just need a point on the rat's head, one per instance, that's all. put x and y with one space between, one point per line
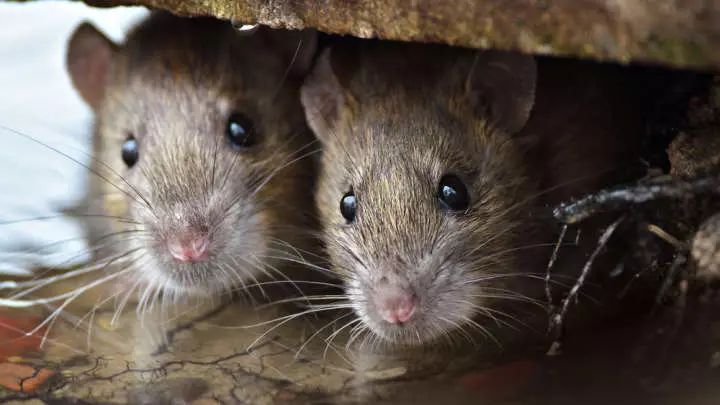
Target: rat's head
206 129
421 182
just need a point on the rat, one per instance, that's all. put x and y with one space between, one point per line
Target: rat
201 148
434 157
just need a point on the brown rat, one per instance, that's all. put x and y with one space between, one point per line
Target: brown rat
205 128
429 173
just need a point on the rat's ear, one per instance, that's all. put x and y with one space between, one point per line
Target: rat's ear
88 61
502 84
298 47
322 97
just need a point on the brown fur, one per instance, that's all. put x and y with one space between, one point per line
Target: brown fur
395 132
395 117
172 85
585 126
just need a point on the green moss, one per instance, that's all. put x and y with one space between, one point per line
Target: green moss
678 52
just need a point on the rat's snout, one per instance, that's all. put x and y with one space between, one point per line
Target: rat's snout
189 247
395 304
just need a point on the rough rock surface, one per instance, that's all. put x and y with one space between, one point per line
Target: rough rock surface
674 32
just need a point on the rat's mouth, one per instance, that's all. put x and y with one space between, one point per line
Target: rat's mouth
392 312
415 325
406 326
209 276
195 278
412 333
189 246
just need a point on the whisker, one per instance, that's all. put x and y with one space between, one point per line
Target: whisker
495 311
252 194
330 338
284 276
239 278
288 69
329 324
512 297
11 303
26 334
141 306
356 331
255 280
72 296
485 331
46 217
285 319
119 309
85 166
91 314
95 308
500 276
91 322
294 248
274 172
7 285
296 299
490 314
320 283
38 284
307 264
96 246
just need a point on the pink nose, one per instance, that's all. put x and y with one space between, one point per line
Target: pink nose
396 306
189 248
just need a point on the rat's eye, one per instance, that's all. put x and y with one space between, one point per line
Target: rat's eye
240 131
452 193
348 205
130 152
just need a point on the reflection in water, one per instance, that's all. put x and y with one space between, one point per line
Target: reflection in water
204 355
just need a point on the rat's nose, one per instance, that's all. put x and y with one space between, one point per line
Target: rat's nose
395 305
189 248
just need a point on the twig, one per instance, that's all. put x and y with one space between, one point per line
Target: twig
551 263
557 321
618 197
678 262
662 234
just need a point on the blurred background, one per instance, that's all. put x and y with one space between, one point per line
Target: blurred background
37 100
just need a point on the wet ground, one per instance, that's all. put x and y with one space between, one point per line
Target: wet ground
208 358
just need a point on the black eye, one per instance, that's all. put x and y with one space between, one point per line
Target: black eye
240 131
348 205
452 193
130 152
